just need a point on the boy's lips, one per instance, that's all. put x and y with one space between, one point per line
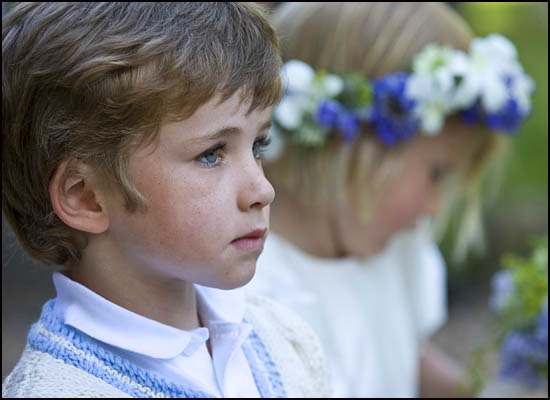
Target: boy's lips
252 241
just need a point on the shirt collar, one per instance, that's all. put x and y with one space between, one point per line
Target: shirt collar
223 312
105 321
220 305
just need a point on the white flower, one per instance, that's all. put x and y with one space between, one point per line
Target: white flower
298 82
289 112
491 60
333 85
297 76
494 48
521 89
442 65
432 116
431 94
494 94
431 58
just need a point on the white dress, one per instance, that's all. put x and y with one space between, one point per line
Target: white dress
371 315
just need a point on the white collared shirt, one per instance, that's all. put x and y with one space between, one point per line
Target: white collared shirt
177 355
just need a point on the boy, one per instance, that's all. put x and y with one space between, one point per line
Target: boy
132 136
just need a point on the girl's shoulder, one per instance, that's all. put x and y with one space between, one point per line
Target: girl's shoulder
292 344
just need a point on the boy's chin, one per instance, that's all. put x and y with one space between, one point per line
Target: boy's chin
237 277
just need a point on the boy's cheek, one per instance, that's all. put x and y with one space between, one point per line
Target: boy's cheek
267 214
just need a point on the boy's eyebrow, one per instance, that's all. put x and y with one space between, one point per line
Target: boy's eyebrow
229 130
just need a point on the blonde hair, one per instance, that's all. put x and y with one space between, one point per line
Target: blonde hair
373 39
94 81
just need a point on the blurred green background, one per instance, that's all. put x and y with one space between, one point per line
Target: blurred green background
526 25
520 209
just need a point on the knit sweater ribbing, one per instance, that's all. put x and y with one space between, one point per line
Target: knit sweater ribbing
59 360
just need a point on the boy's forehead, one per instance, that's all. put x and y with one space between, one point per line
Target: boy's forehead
219 114
241 98
218 104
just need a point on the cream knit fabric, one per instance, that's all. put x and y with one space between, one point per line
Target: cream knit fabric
38 374
293 346
73 370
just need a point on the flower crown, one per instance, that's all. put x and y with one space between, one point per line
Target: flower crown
488 85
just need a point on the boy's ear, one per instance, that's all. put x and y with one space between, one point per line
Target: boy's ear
77 197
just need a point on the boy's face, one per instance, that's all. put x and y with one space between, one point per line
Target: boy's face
414 193
205 188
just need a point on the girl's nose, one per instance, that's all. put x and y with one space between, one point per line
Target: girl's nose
432 204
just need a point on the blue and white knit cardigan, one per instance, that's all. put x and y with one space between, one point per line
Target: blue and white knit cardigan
284 354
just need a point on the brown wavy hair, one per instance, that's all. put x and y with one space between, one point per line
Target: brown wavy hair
94 81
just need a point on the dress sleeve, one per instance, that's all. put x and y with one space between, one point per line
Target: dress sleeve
425 277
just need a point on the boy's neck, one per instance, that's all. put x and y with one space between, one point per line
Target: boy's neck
169 301
310 230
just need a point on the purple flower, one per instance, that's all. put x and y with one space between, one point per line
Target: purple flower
332 114
391 111
349 125
507 119
502 287
473 114
541 332
521 357
328 113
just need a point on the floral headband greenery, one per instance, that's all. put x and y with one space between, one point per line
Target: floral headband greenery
487 85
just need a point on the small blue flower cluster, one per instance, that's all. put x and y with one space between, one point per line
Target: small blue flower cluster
519 296
486 85
524 354
391 111
507 119
392 116
332 114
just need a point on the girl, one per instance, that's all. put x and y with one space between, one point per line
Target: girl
365 151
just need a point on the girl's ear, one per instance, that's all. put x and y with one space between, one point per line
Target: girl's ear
77 197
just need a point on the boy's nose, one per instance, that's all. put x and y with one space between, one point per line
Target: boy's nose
256 192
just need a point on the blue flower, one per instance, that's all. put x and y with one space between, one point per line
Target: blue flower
507 119
541 332
473 114
332 114
502 288
520 355
328 113
391 111
349 125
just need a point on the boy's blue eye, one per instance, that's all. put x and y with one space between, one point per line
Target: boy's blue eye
260 146
210 157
